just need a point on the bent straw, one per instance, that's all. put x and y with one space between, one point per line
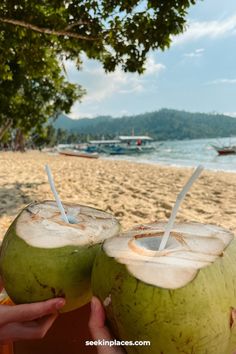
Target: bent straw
179 199
56 196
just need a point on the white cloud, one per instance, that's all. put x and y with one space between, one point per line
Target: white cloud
101 86
138 87
231 114
211 29
75 113
124 112
105 85
200 50
151 67
196 53
222 81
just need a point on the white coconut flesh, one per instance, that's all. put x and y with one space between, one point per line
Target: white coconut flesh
189 248
41 225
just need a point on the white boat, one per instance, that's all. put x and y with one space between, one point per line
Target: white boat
103 146
123 145
79 153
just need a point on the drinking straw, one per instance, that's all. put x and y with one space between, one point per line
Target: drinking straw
56 196
179 199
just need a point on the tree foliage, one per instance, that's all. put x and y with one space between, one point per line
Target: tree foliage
33 87
37 36
29 98
114 32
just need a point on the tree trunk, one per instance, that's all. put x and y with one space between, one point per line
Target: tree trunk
5 128
19 141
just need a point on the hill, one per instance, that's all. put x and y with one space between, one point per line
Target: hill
161 125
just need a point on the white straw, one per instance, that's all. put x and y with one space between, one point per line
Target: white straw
56 196
179 199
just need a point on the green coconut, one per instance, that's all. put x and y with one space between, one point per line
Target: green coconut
43 257
180 299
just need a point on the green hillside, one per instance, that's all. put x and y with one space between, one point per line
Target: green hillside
161 125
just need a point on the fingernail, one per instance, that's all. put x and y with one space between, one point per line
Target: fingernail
60 303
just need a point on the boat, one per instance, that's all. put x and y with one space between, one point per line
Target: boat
79 153
103 146
225 150
123 145
136 144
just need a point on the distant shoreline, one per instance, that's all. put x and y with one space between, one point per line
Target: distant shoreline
161 125
171 165
137 159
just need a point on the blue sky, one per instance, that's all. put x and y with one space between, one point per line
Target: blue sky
197 73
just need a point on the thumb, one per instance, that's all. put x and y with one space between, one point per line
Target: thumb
99 330
97 321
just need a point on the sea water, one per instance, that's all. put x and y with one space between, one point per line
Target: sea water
188 153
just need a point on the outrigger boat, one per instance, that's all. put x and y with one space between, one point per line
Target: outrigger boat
225 150
123 145
79 153
103 146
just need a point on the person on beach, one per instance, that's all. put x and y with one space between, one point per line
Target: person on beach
32 321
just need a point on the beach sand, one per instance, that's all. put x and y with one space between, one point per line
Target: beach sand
134 193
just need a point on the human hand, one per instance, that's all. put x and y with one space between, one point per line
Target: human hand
99 330
28 321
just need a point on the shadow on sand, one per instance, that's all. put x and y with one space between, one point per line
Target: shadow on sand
15 196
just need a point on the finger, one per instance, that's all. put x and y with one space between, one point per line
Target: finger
97 321
28 312
28 330
99 330
38 328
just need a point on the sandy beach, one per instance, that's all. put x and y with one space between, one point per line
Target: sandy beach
134 193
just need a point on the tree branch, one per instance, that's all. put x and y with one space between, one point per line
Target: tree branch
46 30
5 128
77 23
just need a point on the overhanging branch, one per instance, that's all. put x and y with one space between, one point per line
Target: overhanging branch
77 23
46 30
4 127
